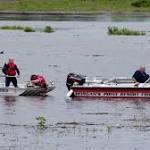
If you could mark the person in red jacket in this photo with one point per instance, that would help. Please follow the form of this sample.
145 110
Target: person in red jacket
38 80
10 69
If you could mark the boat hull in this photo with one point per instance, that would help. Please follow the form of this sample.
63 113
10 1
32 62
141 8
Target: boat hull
111 92
36 91
118 87
24 90
11 91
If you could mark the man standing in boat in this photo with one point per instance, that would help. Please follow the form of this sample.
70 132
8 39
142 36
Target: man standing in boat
10 69
140 76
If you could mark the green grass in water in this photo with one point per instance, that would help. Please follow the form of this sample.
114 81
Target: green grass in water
124 31
28 29
48 29
41 122
14 27
7 27
109 129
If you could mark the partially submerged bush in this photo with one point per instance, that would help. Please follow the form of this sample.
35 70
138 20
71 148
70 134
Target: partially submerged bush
14 27
141 3
123 31
29 29
109 129
48 29
8 27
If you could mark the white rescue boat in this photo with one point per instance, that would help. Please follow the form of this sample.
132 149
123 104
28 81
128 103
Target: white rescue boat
27 89
121 87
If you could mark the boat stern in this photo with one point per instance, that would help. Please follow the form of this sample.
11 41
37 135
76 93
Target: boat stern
74 79
38 91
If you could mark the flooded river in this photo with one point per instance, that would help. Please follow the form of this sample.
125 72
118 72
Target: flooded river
81 46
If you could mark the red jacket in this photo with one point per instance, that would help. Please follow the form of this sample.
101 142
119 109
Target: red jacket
37 79
10 69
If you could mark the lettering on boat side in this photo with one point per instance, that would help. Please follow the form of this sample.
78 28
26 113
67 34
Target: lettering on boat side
3 90
111 94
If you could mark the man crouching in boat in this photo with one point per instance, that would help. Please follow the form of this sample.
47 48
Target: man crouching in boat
39 80
10 70
140 76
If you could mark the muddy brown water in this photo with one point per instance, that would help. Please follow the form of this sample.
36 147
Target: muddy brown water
82 46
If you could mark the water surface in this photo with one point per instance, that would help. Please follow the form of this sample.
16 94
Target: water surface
82 46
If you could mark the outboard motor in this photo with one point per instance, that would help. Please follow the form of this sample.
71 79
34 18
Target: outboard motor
74 78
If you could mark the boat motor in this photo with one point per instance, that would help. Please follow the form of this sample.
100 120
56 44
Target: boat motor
73 78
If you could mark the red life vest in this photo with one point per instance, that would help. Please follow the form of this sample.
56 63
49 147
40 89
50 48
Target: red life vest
11 71
40 80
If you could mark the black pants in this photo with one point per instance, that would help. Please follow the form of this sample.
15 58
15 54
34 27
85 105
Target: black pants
9 80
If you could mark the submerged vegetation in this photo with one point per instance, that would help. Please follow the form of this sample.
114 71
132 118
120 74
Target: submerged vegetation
41 122
28 29
15 27
109 129
123 31
47 29
7 27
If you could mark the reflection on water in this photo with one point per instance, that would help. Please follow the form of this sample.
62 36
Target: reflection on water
10 100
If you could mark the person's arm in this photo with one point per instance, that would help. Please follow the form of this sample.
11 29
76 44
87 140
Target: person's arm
4 69
147 78
35 81
147 75
18 71
135 81
134 78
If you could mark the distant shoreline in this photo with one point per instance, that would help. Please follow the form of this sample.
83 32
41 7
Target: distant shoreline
51 13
